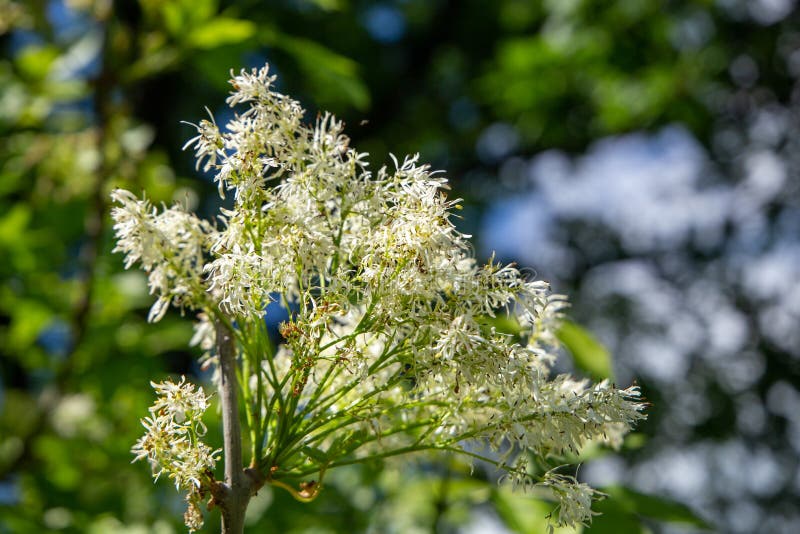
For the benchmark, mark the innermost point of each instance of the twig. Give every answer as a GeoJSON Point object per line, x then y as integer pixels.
{"type": "Point", "coordinates": [234, 495]}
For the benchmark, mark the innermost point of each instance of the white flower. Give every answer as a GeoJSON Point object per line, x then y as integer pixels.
{"type": "Point", "coordinates": [392, 341]}
{"type": "Point", "coordinates": [170, 246]}
{"type": "Point", "coordinates": [574, 499]}
{"type": "Point", "coordinates": [208, 142]}
{"type": "Point", "coordinates": [171, 442]}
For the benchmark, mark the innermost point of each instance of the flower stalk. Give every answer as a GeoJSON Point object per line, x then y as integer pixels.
{"type": "Point", "coordinates": [390, 347]}
{"type": "Point", "coordinates": [232, 496]}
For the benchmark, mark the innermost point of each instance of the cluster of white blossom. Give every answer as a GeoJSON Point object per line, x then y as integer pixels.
{"type": "Point", "coordinates": [392, 344]}
{"type": "Point", "coordinates": [172, 443]}
{"type": "Point", "coordinates": [574, 499]}
{"type": "Point", "coordinates": [170, 246]}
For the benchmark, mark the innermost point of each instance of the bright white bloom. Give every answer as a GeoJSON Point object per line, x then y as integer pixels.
{"type": "Point", "coordinates": [574, 498]}
{"type": "Point", "coordinates": [208, 142]}
{"type": "Point", "coordinates": [393, 345]}
{"type": "Point", "coordinates": [172, 442]}
{"type": "Point", "coordinates": [170, 247]}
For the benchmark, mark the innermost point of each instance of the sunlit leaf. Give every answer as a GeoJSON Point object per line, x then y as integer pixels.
{"type": "Point", "coordinates": [316, 454]}
{"type": "Point", "coordinates": [174, 17]}
{"type": "Point", "coordinates": [657, 508]}
{"type": "Point", "coordinates": [220, 31]}
{"type": "Point", "coordinates": [329, 5]}
{"type": "Point", "coordinates": [587, 353]}
{"type": "Point", "coordinates": [635, 440]}
{"type": "Point", "coordinates": [34, 62]}
{"type": "Point", "coordinates": [506, 324]}
{"type": "Point", "coordinates": [29, 318]}
{"type": "Point", "coordinates": [153, 63]}
{"type": "Point", "coordinates": [13, 224]}
{"type": "Point", "coordinates": [524, 514]}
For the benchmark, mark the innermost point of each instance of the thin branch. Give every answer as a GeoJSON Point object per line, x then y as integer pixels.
{"type": "Point", "coordinates": [234, 495]}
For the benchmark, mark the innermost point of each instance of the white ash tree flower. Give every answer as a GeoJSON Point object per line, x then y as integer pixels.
{"type": "Point", "coordinates": [173, 444]}
{"type": "Point", "coordinates": [169, 245]}
{"type": "Point", "coordinates": [390, 347]}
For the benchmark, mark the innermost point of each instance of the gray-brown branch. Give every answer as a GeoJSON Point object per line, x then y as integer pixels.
{"type": "Point", "coordinates": [232, 496]}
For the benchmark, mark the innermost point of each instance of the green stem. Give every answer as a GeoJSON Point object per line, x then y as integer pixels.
{"type": "Point", "coordinates": [387, 454]}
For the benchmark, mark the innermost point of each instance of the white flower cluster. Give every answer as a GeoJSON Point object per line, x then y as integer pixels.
{"type": "Point", "coordinates": [170, 247]}
{"type": "Point", "coordinates": [392, 344]}
{"type": "Point", "coordinates": [173, 446]}
{"type": "Point", "coordinates": [574, 498]}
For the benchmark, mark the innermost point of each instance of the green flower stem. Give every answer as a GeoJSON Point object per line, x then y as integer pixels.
{"type": "Point", "coordinates": [370, 458]}
{"type": "Point", "coordinates": [307, 432]}
{"type": "Point", "coordinates": [331, 399]}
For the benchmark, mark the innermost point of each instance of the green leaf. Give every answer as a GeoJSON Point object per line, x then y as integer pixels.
{"type": "Point", "coordinates": [34, 62]}
{"type": "Point", "coordinates": [153, 63]}
{"type": "Point", "coordinates": [172, 335]}
{"type": "Point", "coordinates": [634, 440]}
{"type": "Point", "coordinates": [174, 18]}
{"type": "Point", "coordinates": [214, 65]}
{"type": "Point", "coordinates": [505, 324]}
{"type": "Point", "coordinates": [656, 508]}
{"type": "Point", "coordinates": [333, 78]}
{"type": "Point", "coordinates": [525, 515]}
{"type": "Point", "coordinates": [318, 455]}
{"type": "Point", "coordinates": [329, 5]}
{"type": "Point", "coordinates": [615, 517]}
{"type": "Point", "coordinates": [464, 489]}
{"type": "Point", "coordinates": [13, 224]}
{"type": "Point", "coordinates": [220, 31]}
{"type": "Point", "coordinates": [180, 16]}
{"type": "Point", "coordinates": [199, 10]}
{"type": "Point", "coordinates": [28, 320]}
{"type": "Point", "coordinates": [587, 353]}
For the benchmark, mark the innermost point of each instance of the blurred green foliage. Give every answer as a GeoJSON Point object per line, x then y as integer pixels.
{"type": "Point", "coordinates": [91, 95]}
{"type": "Point", "coordinates": [588, 354]}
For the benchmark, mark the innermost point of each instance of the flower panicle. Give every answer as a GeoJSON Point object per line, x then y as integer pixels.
{"type": "Point", "coordinates": [396, 333]}
{"type": "Point", "coordinates": [172, 444]}
{"type": "Point", "coordinates": [170, 246]}
{"type": "Point", "coordinates": [574, 499]}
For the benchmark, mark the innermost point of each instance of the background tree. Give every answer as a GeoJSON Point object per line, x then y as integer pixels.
{"type": "Point", "coordinates": [92, 94]}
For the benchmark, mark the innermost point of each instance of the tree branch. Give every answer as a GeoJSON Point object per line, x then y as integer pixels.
{"type": "Point", "coordinates": [234, 495]}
